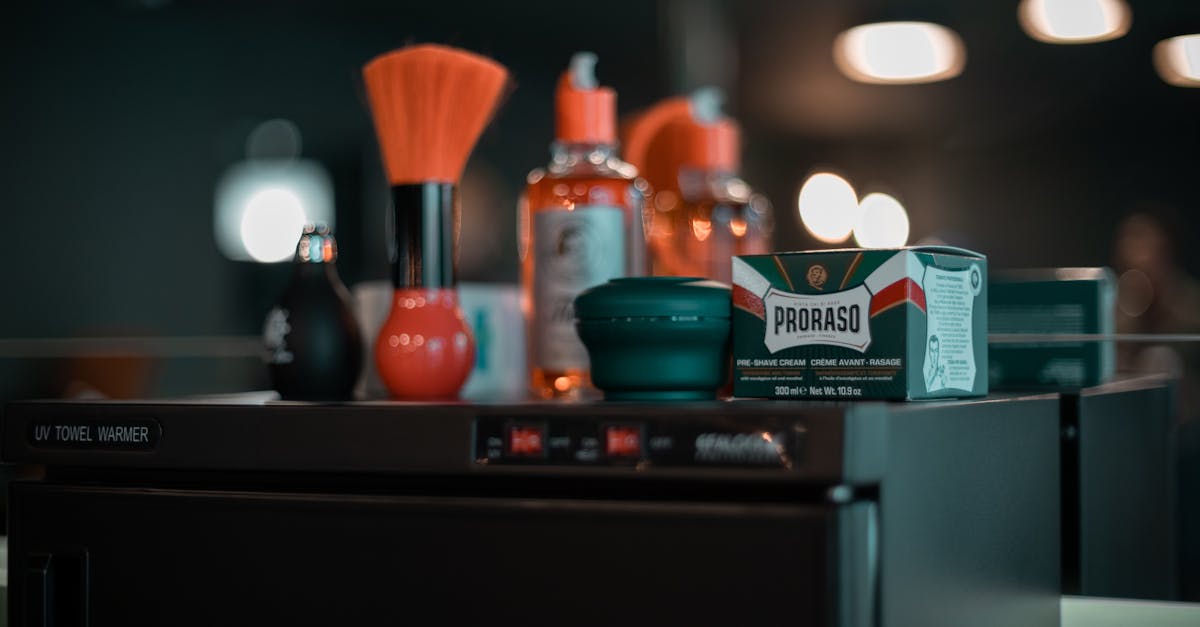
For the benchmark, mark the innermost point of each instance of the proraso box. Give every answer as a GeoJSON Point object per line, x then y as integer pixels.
{"type": "Point", "coordinates": [902, 323]}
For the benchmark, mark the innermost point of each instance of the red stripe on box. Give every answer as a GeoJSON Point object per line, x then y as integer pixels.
{"type": "Point", "coordinates": [903, 291]}
{"type": "Point", "coordinates": [748, 302]}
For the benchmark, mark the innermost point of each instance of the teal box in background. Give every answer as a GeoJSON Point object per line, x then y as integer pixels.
{"type": "Point", "coordinates": [1052, 301]}
{"type": "Point", "coordinates": [901, 323]}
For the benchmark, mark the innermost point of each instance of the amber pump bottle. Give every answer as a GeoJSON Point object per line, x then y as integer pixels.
{"type": "Point", "coordinates": [580, 224]}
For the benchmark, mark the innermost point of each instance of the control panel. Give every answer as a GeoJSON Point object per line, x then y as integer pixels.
{"type": "Point", "coordinates": [605, 441]}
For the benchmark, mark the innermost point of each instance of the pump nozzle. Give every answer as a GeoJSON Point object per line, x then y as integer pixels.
{"type": "Point", "coordinates": [582, 70]}
{"type": "Point", "coordinates": [706, 104]}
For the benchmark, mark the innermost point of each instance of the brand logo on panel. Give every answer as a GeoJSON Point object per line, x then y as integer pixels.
{"type": "Point", "coordinates": [761, 447]}
{"type": "Point", "coordinates": [837, 319]}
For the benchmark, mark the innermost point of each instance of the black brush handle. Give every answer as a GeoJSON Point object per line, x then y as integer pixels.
{"type": "Point", "coordinates": [424, 243]}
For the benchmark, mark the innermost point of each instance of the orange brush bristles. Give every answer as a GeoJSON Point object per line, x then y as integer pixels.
{"type": "Point", "coordinates": [430, 104]}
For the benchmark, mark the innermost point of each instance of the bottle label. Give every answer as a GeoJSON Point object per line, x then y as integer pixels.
{"type": "Point", "coordinates": [574, 250]}
{"type": "Point", "coordinates": [275, 332]}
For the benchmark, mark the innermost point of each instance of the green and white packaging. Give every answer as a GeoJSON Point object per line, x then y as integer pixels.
{"type": "Point", "coordinates": [902, 323]}
{"type": "Point", "coordinates": [1052, 301]}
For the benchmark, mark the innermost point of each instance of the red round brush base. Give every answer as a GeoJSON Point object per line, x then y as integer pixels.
{"type": "Point", "coordinates": [424, 351]}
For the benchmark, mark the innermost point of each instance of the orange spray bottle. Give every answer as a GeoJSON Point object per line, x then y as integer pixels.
{"type": "Point", "coordinates": [580, 225]}
{"type": "Point", "coordinates": [703, 214]}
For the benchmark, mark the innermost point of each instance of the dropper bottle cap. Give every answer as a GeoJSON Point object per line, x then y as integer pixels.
{"type": "Point", "coordinates": [585, 112]}
{"type": "Point", "coordinates": [316, 245]}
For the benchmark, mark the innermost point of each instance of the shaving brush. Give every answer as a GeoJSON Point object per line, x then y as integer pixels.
{"type": "Point", "coordinates": [430, 104]}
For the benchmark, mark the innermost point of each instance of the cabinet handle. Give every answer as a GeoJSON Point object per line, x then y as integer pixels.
{"type": "Point", "coordinates": [39, 591]}
{"type": "Point", "coordinates": [56, 590]}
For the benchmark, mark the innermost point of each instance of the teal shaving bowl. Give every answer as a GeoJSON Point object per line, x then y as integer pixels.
{"type": "Point", "coordinates": [656, 338]}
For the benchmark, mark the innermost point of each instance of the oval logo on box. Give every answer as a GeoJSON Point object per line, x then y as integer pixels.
{"type": "Point", "coordinates": [817, 275]}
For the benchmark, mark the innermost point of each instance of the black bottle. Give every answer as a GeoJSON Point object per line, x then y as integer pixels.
{"type": "Point", "coordinates": [314, 346]}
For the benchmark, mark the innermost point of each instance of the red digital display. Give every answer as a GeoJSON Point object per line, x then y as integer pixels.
{"type": "Point", "coordinates": [623, 441]}
{"type": "Point", "coordinates": [526, 440]}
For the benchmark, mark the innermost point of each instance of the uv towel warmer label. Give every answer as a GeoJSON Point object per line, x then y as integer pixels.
{"type": "Point", "coordinates": [129, 434]}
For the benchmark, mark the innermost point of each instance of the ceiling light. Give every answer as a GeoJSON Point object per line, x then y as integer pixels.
{"type": "Point", "coordinates": [1178, 60]}
{"type": "Point", "coordinates": [1074, 21]}
{"type": "Point", "coordinates": [899, 52]}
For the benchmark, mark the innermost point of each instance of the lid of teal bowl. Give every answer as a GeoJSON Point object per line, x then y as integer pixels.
{"type": "Point", "coordinates": [644, 297]}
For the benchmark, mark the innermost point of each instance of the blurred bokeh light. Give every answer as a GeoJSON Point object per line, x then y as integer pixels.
{"type": "Point", "coordinates": [882, 222]}
{"type": "Point", "coordinates": [828, 207]}
{"type": "Point", "coordinates": [261, 206]}
{"type": "Point", "coordinates": [271, 223]}
{"type": "Point", "coordinates": [263, 202]}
